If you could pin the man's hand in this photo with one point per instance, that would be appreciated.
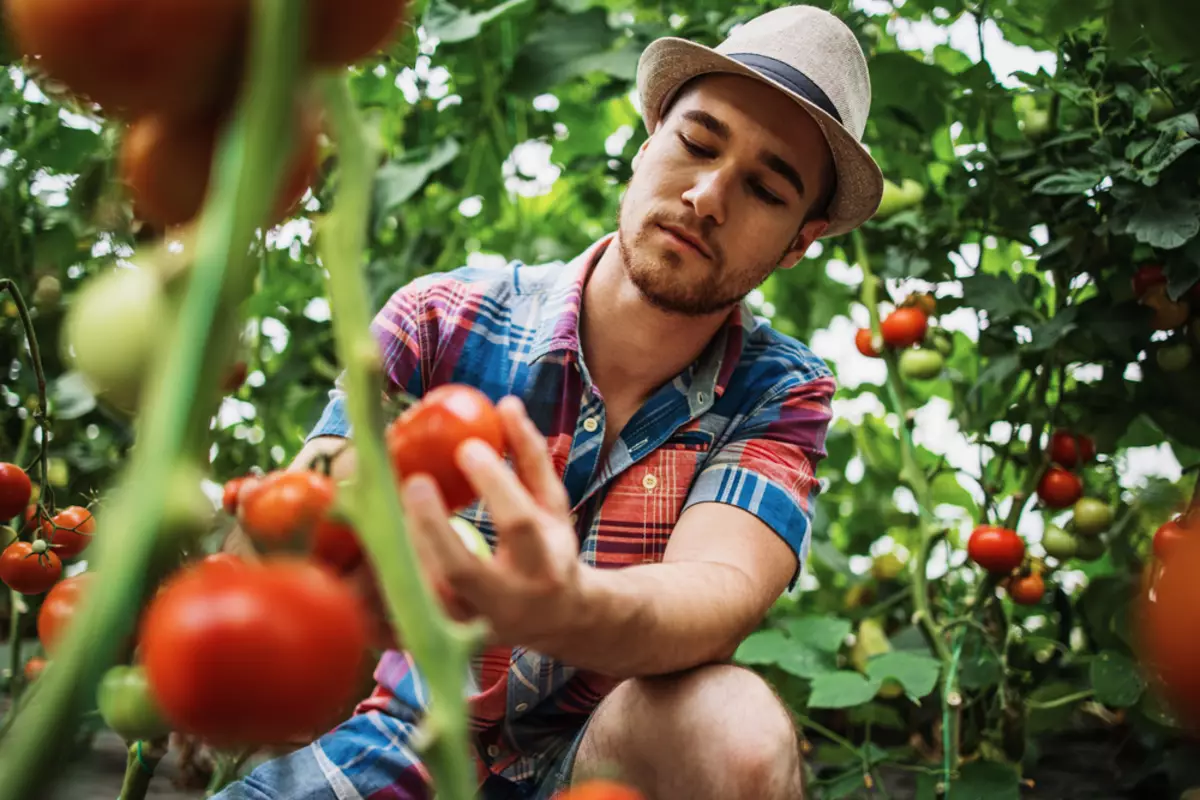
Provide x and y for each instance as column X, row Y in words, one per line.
column 527, row 591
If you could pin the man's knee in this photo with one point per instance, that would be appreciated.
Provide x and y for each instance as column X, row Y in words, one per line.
column 718, row 716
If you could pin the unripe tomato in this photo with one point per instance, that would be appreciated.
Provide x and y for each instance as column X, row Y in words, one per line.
column 887, row 567
column 921, row 364
column 343, row 32
column 1174, row 357
column 58, row 607
column 1027, row 590
column 1059, row 544
column 1089, row 548
column 15, row 490
column 1091, row 516
column 134, row 56
column 73, row 529
column 1069, row 449
column 1059, row 488
column 940, row 340
column 166, row 164
column 862, row 340
column 29, row 568
column 48, row 293
column 998, row 550
column 426, row 437
column 127, row 705
column 289, row 641
column 904, row 327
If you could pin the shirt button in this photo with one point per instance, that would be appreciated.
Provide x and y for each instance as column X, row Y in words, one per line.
column 700, row 397
column 493, row 750
column 522, row 706
column 649, row 481
column 590, row 424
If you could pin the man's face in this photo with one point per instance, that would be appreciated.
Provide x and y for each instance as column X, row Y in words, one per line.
column 719, row 195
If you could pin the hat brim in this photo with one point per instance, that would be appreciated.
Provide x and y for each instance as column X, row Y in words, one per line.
column 670, row 62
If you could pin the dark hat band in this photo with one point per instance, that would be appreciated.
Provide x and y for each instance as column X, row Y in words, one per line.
column 787, row 75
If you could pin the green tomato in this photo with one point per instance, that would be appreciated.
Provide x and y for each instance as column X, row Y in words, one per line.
column 48, row 293
column 897, row 198
column 1091, row 548
column 921, row 364
column 471, row 537
column 1161, row 106
column 1059, row 544
column 1174, row 357
column 1091, row 516
column 939, row 340
column 127, row 705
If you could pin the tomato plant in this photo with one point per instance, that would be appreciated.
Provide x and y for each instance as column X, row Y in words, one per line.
column 73, row 529
column 998, row 550
column 15, row 490
column 1059, row 488
column 425, row 438
column 286, row 630
column 29, row 568
column 904, row 327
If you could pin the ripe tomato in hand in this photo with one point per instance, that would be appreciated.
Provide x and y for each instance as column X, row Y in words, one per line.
column 1170, row 534
column 1169, row 616
column 599, row 789
column 1059, row 488
column 58, row 607
column 135, row 56
column 904, row 327
column 1027, row 590
column 342, row 32
column 15, row 490
column 998, row 550
column 73, row 531
column 166, row 163
column 425, row 438
column 29, row 568
column 862, row 340
column 253, row 656
column 1069, row 449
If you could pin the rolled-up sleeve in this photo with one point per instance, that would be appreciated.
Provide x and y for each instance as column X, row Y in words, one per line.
column 768, row 466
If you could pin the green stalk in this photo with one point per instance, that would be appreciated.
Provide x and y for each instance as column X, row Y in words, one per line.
column 440, row 647
column 246, row 173
column 139, row 769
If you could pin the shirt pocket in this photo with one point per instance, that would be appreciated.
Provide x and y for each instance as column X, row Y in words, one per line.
column 643, row 503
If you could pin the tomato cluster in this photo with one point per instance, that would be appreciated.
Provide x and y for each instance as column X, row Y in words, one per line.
column 1001, row 551
column 1150, row 289
column 173, row 70
column 923, row 348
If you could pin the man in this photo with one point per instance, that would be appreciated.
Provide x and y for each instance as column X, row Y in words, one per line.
column 664, row 443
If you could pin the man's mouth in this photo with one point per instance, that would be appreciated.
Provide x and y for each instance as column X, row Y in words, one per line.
column 686, row 238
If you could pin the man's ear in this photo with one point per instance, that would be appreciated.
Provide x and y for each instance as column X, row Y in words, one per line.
column 637, row 157
column 808, row 234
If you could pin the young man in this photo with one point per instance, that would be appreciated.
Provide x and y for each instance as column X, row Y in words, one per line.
column 664, row 447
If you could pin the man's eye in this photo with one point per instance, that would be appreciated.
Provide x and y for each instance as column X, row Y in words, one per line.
column 765, row 195
column 695, row 149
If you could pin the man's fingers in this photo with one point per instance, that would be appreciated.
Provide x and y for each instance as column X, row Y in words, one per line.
column 429, row 525
column 532, row 457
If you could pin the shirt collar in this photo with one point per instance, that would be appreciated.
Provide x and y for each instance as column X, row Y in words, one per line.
column 558, row 331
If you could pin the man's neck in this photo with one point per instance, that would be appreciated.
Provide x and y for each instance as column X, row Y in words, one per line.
column 630, row 346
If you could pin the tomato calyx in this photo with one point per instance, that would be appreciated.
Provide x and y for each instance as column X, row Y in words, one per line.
column 29, row 568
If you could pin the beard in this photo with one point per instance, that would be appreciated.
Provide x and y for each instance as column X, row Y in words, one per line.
column 671, row 283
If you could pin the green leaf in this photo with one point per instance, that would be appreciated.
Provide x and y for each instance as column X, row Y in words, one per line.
column 917, row 92
column 66, row 151
column 822, row 633
column 70, row 397
column 977, row 780
column 396, row 182
column 998, row 295
column 918, row 674
column 773, row 648
column 878, row 715
column 842, row 689
column 1072, row 181
column 448, row 23
column 1165, row 226
column 948, row 491
column 1117, row 680
column 1049, row 333
column 566, row 46
column 981, row 671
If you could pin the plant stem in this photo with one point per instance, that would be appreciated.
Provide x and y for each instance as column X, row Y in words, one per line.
column 1060, row 701
column 836, row 738
column 139, row 769
column 35, row 355
column 181, row 394
column 1037, row 462
column 440, row 647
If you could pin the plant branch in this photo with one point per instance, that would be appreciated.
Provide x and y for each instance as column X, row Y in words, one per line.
column 1058, row 702
column 1037, row 463
column 35, row 356
column 139, row 768
column 440, row 647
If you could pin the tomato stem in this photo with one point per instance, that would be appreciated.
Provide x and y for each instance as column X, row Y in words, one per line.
column 180, row 397
column 40, row 414
column 437, row 644
column 139, row 768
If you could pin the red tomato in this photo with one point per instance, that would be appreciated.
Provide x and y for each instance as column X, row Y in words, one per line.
column 1169, row 535
column 29, row 568
column 73, row 531
column 1027, row 590
column 284, row 506
column 336, row 544
column 599, row 789
column 33, row 668
column 1070, row 449
column 1146, row 277
column 998, row 550
column 1059, row 488
column 233, row 488
column 425, row 438
column 135, row 56
column 343, row 32
column 253, row 656
column 235, row 377
column 15, row 490
column 862, row 340
column 28, row 522
column 904, row 327
column 222, row 561
column 1169, row 611
column 58, row 607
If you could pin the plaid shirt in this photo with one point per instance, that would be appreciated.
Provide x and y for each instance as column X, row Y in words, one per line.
column 744, row 424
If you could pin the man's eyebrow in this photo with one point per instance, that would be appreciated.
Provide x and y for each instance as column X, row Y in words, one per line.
column 706, row 120
column 789, row 173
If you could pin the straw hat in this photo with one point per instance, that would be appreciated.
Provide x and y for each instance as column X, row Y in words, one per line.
column 812, row 57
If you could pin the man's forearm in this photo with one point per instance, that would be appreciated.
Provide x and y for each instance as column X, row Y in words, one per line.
column 655, row 618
